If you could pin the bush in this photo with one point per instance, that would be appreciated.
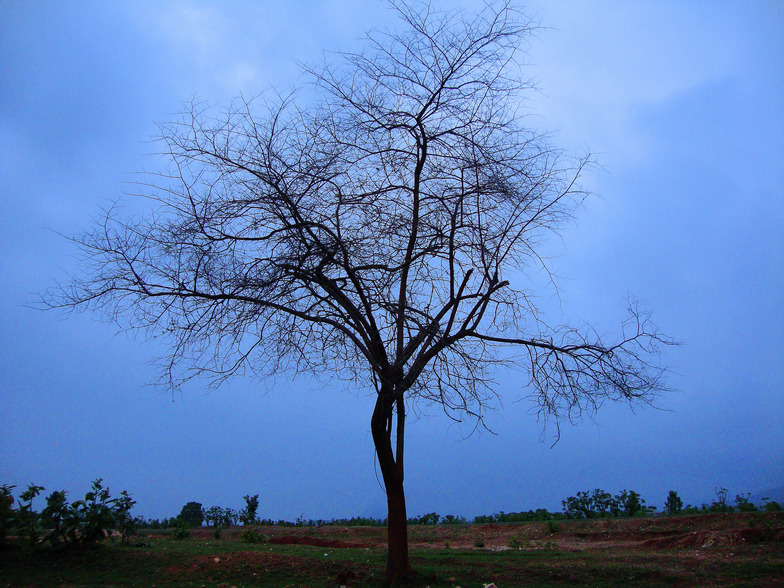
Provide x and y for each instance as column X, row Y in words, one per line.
column 7, row 513
column 182, row 531
column 516, row 543
column 253, row 536
column 95, row 515
column 58, row 517
column 85, row 521
column 27, row 522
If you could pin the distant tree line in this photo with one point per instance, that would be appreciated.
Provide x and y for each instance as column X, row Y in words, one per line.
column 99, row 515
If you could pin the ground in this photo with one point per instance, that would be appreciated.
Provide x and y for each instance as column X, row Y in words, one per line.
column 741, row 549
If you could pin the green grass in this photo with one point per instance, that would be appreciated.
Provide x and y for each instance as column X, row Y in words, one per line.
column 231, row 563
column 572, row 557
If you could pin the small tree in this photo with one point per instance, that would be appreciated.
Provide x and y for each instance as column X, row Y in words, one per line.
column 192, row 514
column 720, row 503
column 742, row 503
column 213, row 516
column 127, row 524
column 631, row 502
column 248, row 514
column 673, row 504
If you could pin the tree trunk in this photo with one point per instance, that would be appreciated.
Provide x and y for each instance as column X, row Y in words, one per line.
column 392, row 471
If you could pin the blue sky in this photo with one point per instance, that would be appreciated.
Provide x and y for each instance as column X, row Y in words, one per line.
column 682, row 104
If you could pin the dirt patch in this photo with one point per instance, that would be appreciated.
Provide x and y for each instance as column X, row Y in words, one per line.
column 319, row 542
column 706, row 539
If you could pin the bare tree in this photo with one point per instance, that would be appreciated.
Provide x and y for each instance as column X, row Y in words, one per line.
column 381, row 234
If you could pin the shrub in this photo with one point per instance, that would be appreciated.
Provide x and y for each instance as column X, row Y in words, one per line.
column 27, row 522
column 95, row 515
column 253, row 536
column 85, row 521
column 58, row 517
column 517, row 543
column 182, row 531
column 7, row 513
column 126, row 524
column 553, row 528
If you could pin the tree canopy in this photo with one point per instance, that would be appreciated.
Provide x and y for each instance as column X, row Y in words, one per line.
column 383, row 231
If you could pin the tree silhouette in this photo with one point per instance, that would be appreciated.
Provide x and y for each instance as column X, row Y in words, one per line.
column 380, row 233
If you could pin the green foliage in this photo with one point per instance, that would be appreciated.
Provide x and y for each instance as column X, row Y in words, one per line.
column 215, row 516
column 126, row 524
column 248, row 514
column 631, row 502
column 253, row 536
column 27, row 521
column 720, row 504
column 602, row 504
column 673, row 504
column 772, row 506
column 60, row 519
column 742, row 503
column 553, row 528
column 540, row 514
column 7, row 513
column 182, row 531
column 95, row 513
column 85, row 521
column 517, row 543
column 580, row 506
column 453, row 520
column 425, row 519
column 192, row 514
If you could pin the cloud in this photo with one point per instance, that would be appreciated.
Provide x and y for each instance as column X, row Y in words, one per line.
column 590, row 89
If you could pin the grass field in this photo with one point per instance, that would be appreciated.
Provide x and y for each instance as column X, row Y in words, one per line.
column 742, row 549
